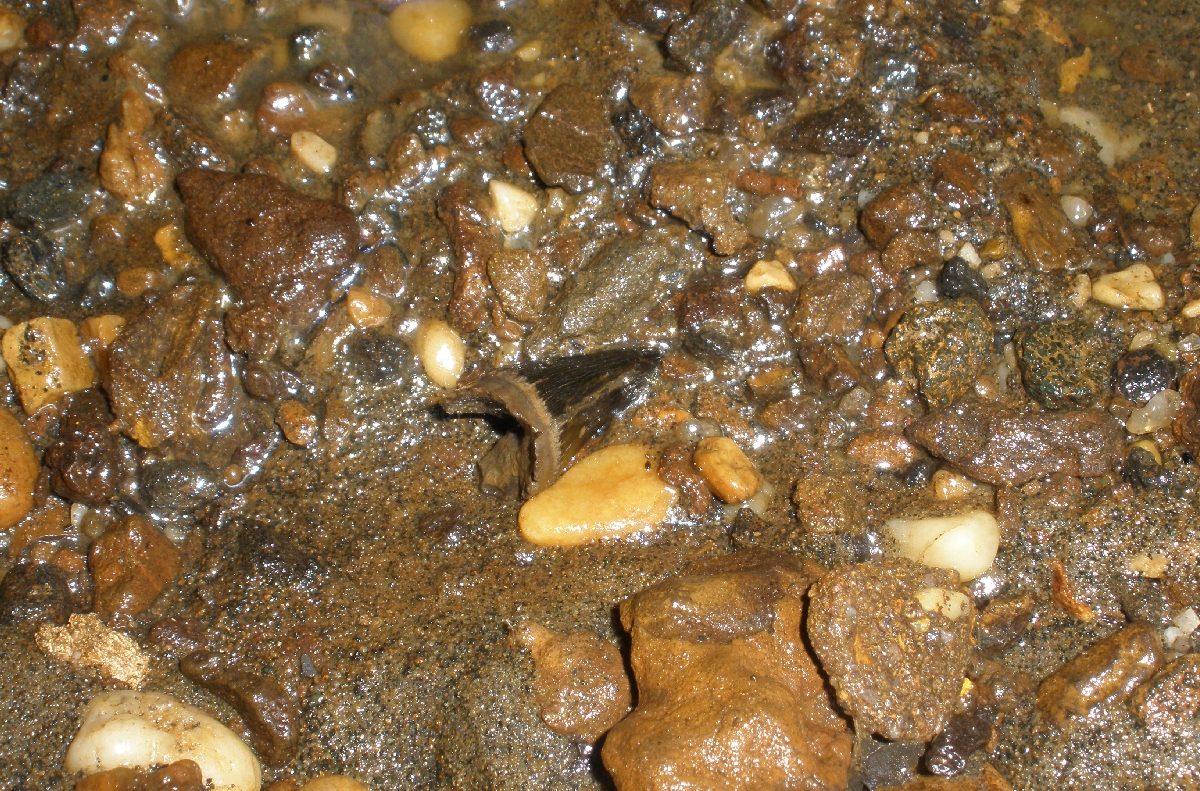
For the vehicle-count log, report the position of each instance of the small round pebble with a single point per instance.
(727, 470)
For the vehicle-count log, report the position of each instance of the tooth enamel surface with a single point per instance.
(966, 542)
(613, 492)
(144, 729)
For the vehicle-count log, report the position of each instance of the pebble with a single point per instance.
(1064, 364)
(727, 470)
(882, 450)
(948, 485)
(313, 151)
(430, 30)
(18, 471)
(610, 493)
(943, 345)
(12, 30)
(46, 360)
(132, 564)
(299, 426)
(1078, 211)
(1142, 374)
(86, 641)
(512, 207)
(366, 310)
(1107, 671)
(1133, 288)
(966, 542)
(144, 729)
(959, 279)
(1171, 700)
(441, 352)
(1158, 413)
(769, 274)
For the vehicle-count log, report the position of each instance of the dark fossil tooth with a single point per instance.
(558, 405)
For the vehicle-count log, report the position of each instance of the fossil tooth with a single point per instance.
(558, 406)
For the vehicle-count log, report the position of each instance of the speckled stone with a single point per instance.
(943, 345)
(1064, 364)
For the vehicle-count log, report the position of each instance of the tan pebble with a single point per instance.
(87, 642)
(313, 151)
(430, 30)
(613, 492)
(949, 485)
(334, 783)
(100, 331)
(441, 352)
(299, 426)
(726, 469)
(45, 360)
(12, 30)
(883, 450)
(1191, 309)
(137, 280)
(1133, 288)
(18, 471)
(769, 274)
(173, 248)
(513, 207)
(366, 309)
(1151, 566)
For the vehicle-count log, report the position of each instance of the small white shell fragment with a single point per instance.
(1078, 211)
(951, 604)
(430, 30)
(1158, 413)
(144, 729)
(513, 207)
(613, 492)
(769, 274)
(1186, 620)
(969, 254)
(966, 542)
(441, 352)
(1133, 288)
(334, 783)
(313, 151)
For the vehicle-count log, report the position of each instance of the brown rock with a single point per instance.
(1170, 700)
(845, 131)
(84, 461)
(570, 139)
(943, 346)
(281, 251)
(955, 107)
(882, 450)
(832, 309)
(895, 654)
(182, 775)
(299, 426)
(728, 694)
(131, 564)
(676, 468)
(171, 379)
(579, 681)
(1106, 672)
(676, 104)
(206, 74)
(519, 280)
(910, 248)
(1042, 230)
(957, 181)
(1187, 421)
(900, 206)
(462, 208)
(697, 193)
(1007, 448)
(264, 705)
(18, 470)
(828, 505)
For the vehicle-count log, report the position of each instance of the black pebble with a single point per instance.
(958, 279)
(1143, 374)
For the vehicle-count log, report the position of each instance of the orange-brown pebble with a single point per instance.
(883, 450)
(137, 280)
(45, 360)
(99, 332)
(949, 485)
(18, 471)
(726, 469)
(365, 309)
(579, 681)
(299, 426)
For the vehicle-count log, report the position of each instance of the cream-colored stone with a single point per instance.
(144, 729)
(769, 274)
(966, 542)
(366, 310)
(611, 493)
(441, 351)
(313, 151)
(513, 207)
(45, 360)
(1133, 288)
(18, 470)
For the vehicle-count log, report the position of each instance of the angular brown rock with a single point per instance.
(132, 563)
